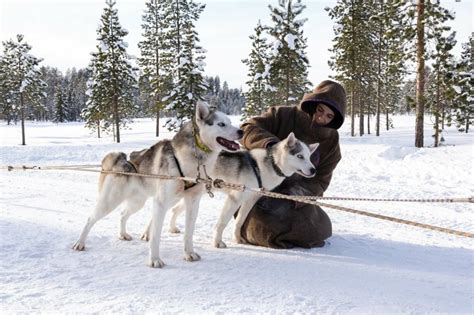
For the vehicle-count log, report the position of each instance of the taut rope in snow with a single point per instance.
(218, 183)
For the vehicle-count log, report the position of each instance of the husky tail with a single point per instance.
(117, 162)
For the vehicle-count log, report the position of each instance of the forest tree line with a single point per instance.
(392, 57)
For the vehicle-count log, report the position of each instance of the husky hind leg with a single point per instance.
(133, 206)
(176, 210)
(242, 216)
(109, 198)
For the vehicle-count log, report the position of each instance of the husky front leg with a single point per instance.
(242, 216)
(230, 207)
(161, 205)
(191, 204)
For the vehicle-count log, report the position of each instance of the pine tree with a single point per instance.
(442, 66)
(22, 79)
(463, 86)
(156, 60)
(288, 71)
(352, 50)
(420, 22)
(7, 102)
(394, 59)
(112, 76)
(60, 106)
(188, 81)
(258, 94)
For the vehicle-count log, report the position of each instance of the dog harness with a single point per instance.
(272, 160)
(187, 184)
(255, 169)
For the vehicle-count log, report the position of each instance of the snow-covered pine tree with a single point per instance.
(442, 67)
(60, 108)
(288, 61)
(22, 79)
(156, 59)
(257, 98)
(463, 86)
(189, 85)
(112, 76)
(7, 103)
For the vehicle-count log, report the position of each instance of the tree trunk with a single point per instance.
(379, 81)
(443, 117)
(369, 100)
(361, 112)
(22, 111)
(98, 129)
(352, 110)
(420, 73)
(437, 111)
(116, 119)
(157, 122)
(467, 123)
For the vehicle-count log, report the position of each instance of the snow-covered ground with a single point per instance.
(368, 266)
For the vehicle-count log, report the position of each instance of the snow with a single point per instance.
(368, 266)
(290, 39)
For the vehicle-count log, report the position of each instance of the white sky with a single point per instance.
(63, 32)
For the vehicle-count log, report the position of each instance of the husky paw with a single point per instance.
(174, 230)
(192, 257)
(156, 263)
(79, 246)
(220, 244)
(125, 237)
(145, 237)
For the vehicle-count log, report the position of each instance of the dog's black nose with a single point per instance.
(240, 132)
(313, 171)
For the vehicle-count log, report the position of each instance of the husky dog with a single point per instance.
(257, 168)
(197, 143)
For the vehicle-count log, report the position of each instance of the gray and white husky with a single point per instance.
(271, 165)
(203, 139)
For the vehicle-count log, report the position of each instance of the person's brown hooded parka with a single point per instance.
(279, 223)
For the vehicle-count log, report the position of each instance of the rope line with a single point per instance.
(220, 184)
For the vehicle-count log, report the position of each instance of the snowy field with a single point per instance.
(368, 266)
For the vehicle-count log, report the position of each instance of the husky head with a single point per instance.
(293, 156)
(215, 129)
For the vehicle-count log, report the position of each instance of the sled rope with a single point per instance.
(220, 184)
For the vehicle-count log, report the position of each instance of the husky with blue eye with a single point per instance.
(197, 143)
(257, 168)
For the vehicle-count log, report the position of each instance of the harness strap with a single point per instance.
(255, 169)
(187, 184)
(133, 165)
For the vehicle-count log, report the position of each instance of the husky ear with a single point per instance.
(291, 140)
(202, 110)
(313, 147)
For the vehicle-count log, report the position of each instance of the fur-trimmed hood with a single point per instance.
(331, 94)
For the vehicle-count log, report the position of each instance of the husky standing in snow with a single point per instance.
(257, 168)
(198, 143)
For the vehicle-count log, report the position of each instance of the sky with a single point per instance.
(63, 32)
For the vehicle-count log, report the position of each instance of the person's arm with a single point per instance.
(259, 132)
(328, 162)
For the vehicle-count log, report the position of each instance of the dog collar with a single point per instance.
(275, 167)
(197, 139)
